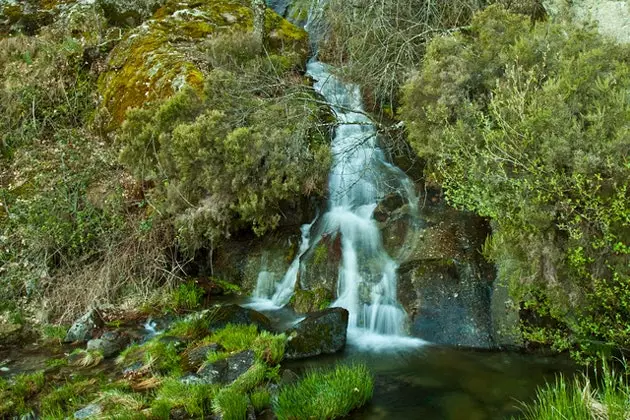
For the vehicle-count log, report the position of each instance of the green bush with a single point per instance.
(326, 394)
(526, 124)
(253, 144)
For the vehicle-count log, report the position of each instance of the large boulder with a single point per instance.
(167, 52)
(322, 332)
(86, 327)
(220, 316)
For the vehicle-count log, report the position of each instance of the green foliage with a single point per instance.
(236, 337)
(260, 399)
(194, 328)
(234, 156)
(157, 355)
(186, 297)
(15, 395)
(249, 380)
(527, 124)
(582, 399)
(270, 347)
(54, 333)
(195, 399)
(230, 404)
(326, 394)
(68, 397)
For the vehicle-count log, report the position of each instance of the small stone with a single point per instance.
(90, 411)
(85, 327)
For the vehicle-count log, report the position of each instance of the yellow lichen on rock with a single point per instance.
(164, 54)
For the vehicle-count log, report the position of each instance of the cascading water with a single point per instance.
(360, 178)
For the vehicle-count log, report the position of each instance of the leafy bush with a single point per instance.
(527, 124)
(326, 394)
(253, 144)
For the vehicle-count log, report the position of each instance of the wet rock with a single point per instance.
(196, 357)
(110, 343)
(305, 301)
(321, 332)
(85, 327)
(226, 371)
(237, 315)
(88, 412)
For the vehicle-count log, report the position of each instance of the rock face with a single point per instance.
(612, 17)
(85, 327)
(165, 53)
(321, 332)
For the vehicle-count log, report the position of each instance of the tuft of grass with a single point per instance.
(607, 397)
(195, 399)
(55, 363)
(193, 328)
(270, 347)
(236, 337)
(54, 333)
(230, 404)
(249, 380)
(260, 399)
(85, 358)
(155, 355)
(186, 297)
(326, 394)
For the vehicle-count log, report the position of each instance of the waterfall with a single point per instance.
(359, 179)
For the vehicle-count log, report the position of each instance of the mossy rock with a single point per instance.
(26, 16)
(322, 332)
(305, 301)
(165, 54)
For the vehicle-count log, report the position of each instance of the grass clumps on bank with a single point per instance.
(326, 394)
(605, 397)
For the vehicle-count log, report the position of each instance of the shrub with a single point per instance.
(326, 394)
(254, 143)
(526, 124)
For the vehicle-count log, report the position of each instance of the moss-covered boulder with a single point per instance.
(236, 315)
(321, 332)
(167, 52)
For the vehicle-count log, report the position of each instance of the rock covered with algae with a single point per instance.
(166, 53)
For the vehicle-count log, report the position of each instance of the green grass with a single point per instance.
(270, 347)
(194, 399)
(260, 399)
(15, 395)
(68, 397)
(156, 355)
(230, 404)
(54, 333)
(326, 394)
(607, 397)
(187, 297)
(236, 337)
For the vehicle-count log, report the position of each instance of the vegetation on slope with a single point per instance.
(527, 124)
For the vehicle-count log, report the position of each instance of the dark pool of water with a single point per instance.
(435, 382)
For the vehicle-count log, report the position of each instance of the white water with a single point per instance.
(360, 177)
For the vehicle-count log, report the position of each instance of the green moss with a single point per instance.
(156, 60)
(304, 301)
